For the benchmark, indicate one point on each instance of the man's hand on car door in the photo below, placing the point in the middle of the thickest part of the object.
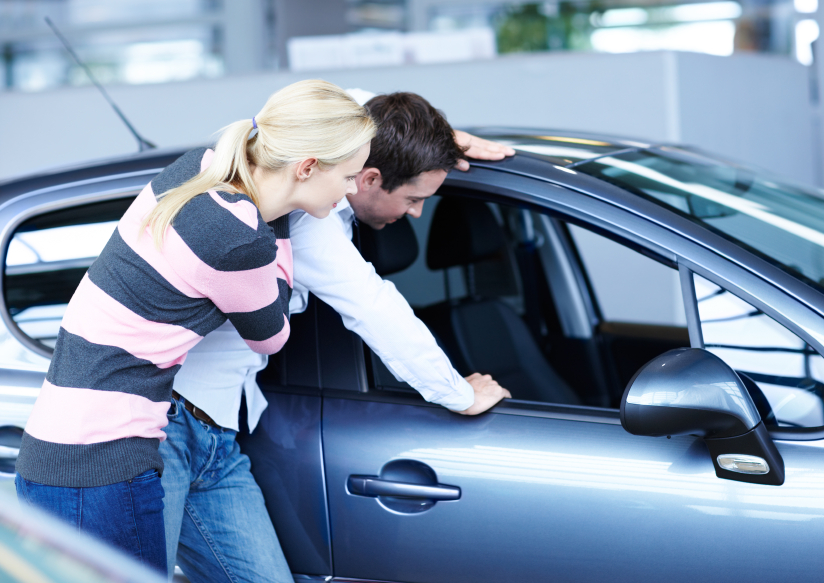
(488, 393)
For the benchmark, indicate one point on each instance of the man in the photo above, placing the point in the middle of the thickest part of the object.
(213, 505)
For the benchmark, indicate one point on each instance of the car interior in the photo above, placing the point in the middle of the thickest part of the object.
(494, 310)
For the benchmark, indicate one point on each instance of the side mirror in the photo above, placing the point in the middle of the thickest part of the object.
(689, 391)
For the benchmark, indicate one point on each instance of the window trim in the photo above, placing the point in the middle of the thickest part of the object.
(685, 276)
(582, 413)
(31, 212)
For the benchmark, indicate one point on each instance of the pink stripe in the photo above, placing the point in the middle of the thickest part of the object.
(285, 260)
(95, 316)
(231, 291)
(243, 210)
(83, 416)
(273, 344)
(208, 155)
(144, 245)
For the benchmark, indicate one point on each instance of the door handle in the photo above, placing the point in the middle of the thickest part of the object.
(374, 486)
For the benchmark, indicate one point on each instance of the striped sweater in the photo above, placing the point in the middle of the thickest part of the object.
(138, 310)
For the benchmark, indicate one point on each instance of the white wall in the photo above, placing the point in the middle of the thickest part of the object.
(749, 108)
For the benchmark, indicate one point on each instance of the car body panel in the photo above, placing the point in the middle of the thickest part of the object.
(287, 454)
(560, 500)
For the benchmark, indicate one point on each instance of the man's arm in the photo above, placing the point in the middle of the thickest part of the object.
(328, 264)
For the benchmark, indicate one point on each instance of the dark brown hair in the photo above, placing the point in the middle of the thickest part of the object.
(413, 137)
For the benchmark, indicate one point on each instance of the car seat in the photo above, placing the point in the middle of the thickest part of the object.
(485, 334)
(389, 250)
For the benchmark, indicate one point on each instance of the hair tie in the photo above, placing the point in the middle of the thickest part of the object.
(254, 123)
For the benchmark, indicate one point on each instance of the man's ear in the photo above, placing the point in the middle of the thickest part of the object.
(369, 178)
(306, 168)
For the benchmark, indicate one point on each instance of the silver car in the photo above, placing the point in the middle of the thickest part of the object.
(657, 314)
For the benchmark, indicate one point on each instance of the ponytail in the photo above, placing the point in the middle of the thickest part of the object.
(308, 119)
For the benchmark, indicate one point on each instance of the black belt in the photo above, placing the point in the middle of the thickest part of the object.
(198, 414)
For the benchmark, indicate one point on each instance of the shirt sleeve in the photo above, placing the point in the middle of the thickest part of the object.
(329, 265)
(255, 300)
(224, 250)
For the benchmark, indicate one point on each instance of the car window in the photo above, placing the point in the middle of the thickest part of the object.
(786, 369)
(429, 291)
(637, 307)
(505, 313)
(781, 221)
(628, 286)
(47, 257)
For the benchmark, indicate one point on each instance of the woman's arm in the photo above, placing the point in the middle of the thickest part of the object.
(223, 249)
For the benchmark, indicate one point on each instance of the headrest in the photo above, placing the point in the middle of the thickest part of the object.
(463, 231)
(391, 249)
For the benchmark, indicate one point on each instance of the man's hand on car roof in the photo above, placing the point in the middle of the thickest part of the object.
(480, 149)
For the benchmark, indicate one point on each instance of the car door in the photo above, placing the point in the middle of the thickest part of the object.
(286, 448)
(541, 491)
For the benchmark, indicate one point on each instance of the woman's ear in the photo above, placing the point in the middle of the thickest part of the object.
(306, 168)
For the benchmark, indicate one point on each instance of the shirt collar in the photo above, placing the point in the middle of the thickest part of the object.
(344, 209)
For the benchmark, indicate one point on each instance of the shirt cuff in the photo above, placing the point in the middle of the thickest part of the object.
(464, 398)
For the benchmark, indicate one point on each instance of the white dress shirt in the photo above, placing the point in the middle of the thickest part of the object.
(328, 264)
(216, 374)
(220, 368)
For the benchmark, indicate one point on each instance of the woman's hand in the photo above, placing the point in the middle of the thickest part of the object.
(488, 393)
(480, 149)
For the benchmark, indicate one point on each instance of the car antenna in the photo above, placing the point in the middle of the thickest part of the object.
(142, 143)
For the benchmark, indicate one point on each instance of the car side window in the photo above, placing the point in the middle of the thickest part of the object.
(483, 286)
(47, 257)
(637, 308)
(628, 286)
(788, 371)
(447, 281)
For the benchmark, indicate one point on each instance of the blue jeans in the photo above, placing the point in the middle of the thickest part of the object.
(127, 515)
(217, 524)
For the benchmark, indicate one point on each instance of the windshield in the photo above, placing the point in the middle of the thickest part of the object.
(784, 223)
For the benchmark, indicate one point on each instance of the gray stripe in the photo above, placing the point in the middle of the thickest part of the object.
(281, 227)
(87, 466)
(181, 170)
(81, 364)
(129, 279)
(220, 239)
(264, 323)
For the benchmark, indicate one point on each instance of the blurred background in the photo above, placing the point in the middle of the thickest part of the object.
(736, 77)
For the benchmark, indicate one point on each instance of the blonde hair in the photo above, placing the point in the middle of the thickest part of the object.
(307, 119)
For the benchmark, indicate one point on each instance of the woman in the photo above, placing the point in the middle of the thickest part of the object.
(193, 250)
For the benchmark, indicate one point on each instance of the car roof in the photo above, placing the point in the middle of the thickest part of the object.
(51, 177)
(558, 147)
